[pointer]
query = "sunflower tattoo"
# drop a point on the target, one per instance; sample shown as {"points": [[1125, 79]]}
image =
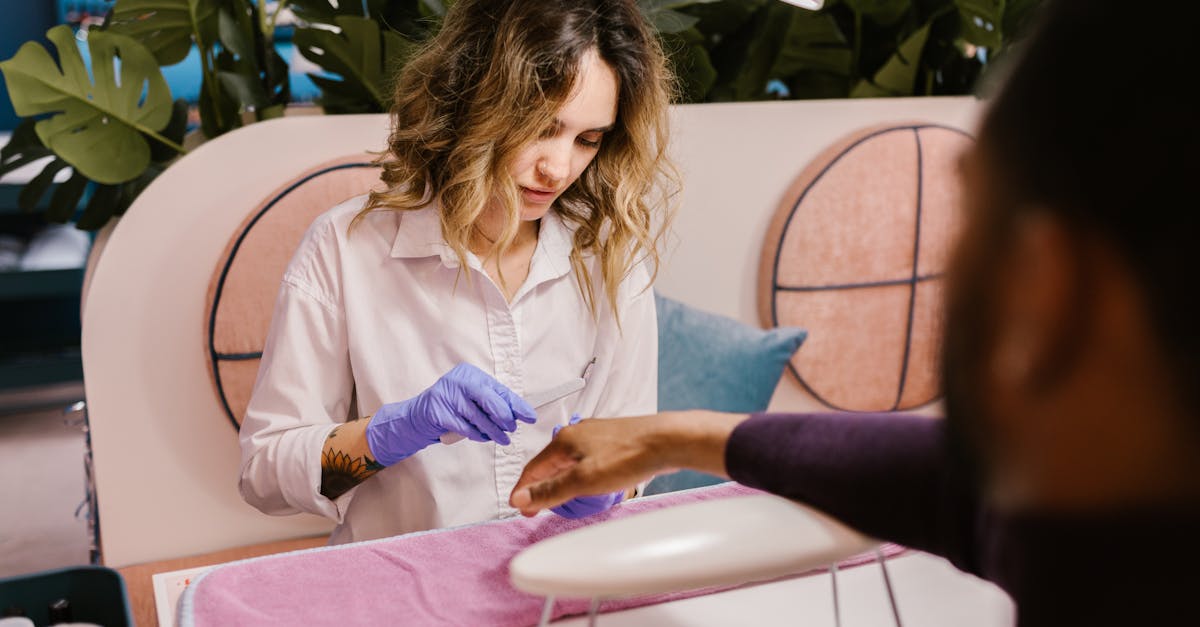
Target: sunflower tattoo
{"points": [[340, 472]]}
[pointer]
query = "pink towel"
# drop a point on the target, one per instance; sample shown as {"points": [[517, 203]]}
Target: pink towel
{"points": [[443, 577]]}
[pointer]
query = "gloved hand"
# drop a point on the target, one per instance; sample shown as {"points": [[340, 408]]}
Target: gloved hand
{"points": [[583, 506], [465, 400]]}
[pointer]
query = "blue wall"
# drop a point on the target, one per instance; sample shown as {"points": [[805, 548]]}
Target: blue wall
{"points": [[21, 21]]}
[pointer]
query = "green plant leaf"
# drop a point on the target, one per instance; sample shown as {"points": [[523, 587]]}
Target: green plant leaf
{"points": [[236, 32], [664, 17], [245, 89], [237, 64], [362, 54], [272, 112], [100, 207], [899, 73], [690, 64], [813, 43], [33, 191], [112, 200], [249, 72], [218, 108], [65, 199], [326, 12], [810, 85], [722, 18], [433, 8], [94, 123], [23, 147], [132, 189], [882, 12], [982, 21], [275, 78], [175, 129], [667, 21], [166, 27], [751, 82]]}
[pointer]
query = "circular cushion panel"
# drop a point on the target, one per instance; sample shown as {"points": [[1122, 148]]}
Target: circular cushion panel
{"points": [[246, 283], [855, 255]]}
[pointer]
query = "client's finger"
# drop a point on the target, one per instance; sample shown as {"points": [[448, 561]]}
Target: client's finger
{"points": [[547, 493], [553, 461]]}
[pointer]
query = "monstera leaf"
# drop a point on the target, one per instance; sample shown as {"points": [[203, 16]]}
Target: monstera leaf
{"points": [[663, 14], [362, 53], [898, 75], [885, 12], [745, 58], [813, 43], [25, 147], [250, 70], [982, 21], [326, 11], [433, 8], [97, 124], [166, 27]]}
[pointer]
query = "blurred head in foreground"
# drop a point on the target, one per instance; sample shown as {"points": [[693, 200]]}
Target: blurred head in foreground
{"points": [[1072, 351]]}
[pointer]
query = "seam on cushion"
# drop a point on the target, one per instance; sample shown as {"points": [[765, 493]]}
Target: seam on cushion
{"points": [[912, 287]]}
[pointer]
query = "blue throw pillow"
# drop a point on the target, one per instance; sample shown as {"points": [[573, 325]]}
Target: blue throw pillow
{"points": [[707, 361]]}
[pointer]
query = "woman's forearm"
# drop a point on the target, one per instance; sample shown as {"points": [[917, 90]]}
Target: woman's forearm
{"points": [[346, 459]]}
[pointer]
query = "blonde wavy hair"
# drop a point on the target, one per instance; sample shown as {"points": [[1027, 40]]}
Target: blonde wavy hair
{"points": [[491, 81]]}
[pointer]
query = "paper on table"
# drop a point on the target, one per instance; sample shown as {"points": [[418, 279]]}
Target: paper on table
{"points": [[168, 587], [536, 400]]}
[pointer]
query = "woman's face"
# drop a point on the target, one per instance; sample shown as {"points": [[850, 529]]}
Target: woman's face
{"points": [[550, 164]]}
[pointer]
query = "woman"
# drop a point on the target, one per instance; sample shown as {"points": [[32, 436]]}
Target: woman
{"points": [[505, 258]]}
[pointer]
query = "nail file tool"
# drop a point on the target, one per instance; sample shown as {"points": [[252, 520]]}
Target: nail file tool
{"points": [[536, 401]]}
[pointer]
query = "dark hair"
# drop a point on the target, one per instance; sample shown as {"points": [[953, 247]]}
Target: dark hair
{"points": [[1095, 124]]}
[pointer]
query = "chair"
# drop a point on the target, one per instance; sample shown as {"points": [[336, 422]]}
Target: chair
{"points": [[165, 455]]}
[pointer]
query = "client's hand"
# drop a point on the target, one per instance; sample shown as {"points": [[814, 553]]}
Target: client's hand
{"points": [[465, 400], [583, 506], [602, 456]]}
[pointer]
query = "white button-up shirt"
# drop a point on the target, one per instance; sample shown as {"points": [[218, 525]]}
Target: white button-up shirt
{"points": [[377, 314]]}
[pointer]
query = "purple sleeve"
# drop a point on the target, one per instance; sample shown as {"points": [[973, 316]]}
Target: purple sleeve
{"points": [[883, 474]]}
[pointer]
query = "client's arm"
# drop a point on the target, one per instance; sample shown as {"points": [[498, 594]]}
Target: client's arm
{"points": [[597, 456], [884, 475]]}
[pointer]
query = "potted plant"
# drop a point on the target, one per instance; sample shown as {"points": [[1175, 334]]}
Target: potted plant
{"points": [[116, 126]]}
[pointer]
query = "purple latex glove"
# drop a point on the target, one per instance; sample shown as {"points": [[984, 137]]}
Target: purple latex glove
{"points": [[465, 400], [583, 506]]}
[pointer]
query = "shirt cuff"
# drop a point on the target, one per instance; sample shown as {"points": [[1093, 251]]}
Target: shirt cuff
{"points": [[306, 489]]}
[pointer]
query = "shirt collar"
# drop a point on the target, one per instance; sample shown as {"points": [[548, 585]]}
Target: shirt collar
{"points": [[419, 235]]}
